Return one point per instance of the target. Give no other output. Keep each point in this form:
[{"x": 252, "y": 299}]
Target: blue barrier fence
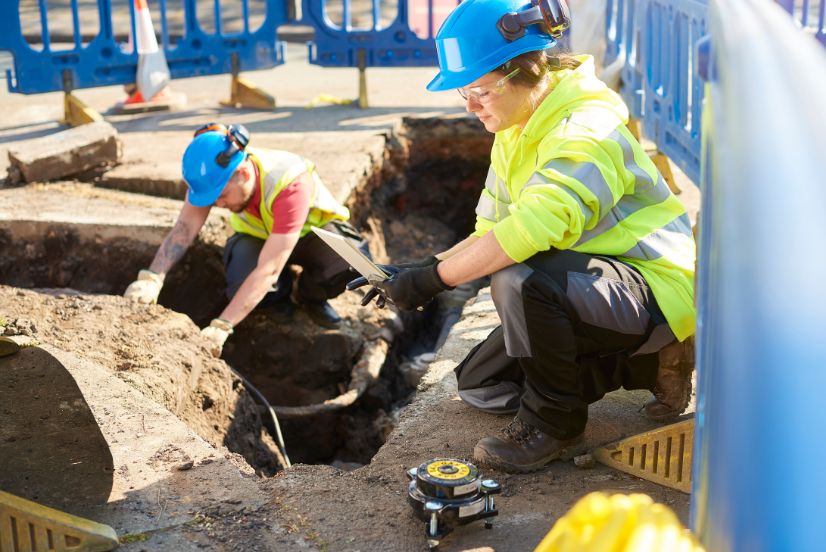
[
  {"x": 757, "y": 483},
  {"x": 656, "y": 39},
  {"x": 622, "y": 35},
  {"x": 383, "y": 35},
  {"x": 205, "y": 45},
  {"x": 671, "y": 90},
  {"x": 811, "y": 15}
]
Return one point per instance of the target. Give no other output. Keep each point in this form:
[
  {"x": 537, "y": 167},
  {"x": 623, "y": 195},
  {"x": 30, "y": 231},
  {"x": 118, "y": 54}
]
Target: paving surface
[{"x": 311, "y": 507}]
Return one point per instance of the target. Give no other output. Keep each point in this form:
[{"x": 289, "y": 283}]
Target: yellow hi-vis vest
[
  {"x": 575, "y": 178},
  {"x": 277, "y": 170}
]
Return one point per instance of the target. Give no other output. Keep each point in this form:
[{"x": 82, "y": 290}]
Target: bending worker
[
  {"x": 275, "y": 198},
  {"x": 591, "y": 256}
]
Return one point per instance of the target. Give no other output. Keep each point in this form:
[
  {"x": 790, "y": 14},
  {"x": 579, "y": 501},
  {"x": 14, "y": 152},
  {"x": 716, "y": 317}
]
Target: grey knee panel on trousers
[
  {"x": 506, "y": 290},
  {"x": 488, "y": 379},
  {"x": 606, "y": 303}
]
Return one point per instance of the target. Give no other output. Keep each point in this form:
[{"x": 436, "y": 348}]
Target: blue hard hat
[
  {"x": 470, "y": 45},
  {"x": 202, "y": 169}
]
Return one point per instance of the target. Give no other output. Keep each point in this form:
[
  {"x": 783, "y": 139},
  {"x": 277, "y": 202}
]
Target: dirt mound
[{"x": 156, "y": 350}]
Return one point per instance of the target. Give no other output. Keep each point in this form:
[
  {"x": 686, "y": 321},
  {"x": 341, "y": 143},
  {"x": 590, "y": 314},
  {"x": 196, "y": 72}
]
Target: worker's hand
[
  {"x": 391, "y": 269},
  {"x": 407, "y": 288},
  {"x": 217, "y": 333},
  {"x": 146, "y": 288}
]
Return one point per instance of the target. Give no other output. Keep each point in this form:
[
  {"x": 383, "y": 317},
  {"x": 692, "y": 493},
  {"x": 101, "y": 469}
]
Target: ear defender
[
  {"x": 239, "y": 138},
  {"x": 552, "y": 15}
]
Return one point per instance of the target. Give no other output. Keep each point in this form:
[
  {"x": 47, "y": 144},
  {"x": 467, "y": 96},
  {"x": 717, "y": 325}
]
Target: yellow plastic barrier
[
  {"x": 600, "y": 522},
  {"x": 27, "y": 526}
]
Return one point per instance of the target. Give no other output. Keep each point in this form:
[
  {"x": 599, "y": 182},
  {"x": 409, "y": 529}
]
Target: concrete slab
[
  {"x": 65, "y": 153},
  {"x": 78, "y": 203},
  {"x": 343, "y": 141}
]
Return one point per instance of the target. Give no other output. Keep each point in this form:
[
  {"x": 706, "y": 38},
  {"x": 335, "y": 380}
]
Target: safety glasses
[
  {"x": 482, "y": 94},
  {"x": 238, "y": 136}
]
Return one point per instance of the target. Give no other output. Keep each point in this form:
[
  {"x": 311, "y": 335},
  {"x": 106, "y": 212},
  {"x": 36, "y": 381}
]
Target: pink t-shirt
[{"x": 290, "y": 208}]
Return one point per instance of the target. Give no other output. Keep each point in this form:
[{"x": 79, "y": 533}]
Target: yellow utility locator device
[{"x": 445, "y": 492}]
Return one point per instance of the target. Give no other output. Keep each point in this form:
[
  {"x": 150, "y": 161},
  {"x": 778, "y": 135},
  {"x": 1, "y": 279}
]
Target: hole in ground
[{"x": 420, "y": 202}]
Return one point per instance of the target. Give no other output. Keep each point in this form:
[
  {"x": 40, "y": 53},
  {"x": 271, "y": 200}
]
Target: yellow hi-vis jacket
[
  {"x": 277, "y": 170},
  {"x": 575, "y": 178}
]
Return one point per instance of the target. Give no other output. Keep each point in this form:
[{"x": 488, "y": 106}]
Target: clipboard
[{"x": 352, "y": 254}]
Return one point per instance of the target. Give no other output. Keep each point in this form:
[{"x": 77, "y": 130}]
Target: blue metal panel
[
  {"x": 622, "y": 41},
  {"x": 103, "y": 61},
  {"x": 393, "y": 45},
  {"x": 758, "y": 480},
  {"x": 672, "y": 92}
]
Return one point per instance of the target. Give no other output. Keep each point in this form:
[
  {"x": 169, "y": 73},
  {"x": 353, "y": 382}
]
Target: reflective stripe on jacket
[
  {"x": 277, "y": 170},
  {"x": 575, "y": 178}
]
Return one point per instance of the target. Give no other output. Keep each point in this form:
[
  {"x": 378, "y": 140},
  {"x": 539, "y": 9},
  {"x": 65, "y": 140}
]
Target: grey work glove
[
  {"x": 146, "y": 288},
  {"x": 217, "y": 333}
]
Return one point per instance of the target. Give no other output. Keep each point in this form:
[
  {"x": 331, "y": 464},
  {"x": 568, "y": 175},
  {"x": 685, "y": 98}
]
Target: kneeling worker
[{"x": 275, "y": 198}]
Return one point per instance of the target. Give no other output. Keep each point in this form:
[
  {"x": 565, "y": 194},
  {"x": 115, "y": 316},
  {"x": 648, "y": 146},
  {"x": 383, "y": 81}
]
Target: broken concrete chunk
[
  {"x": 584, "y": 461},
  {"x": 65, "y": 153}
]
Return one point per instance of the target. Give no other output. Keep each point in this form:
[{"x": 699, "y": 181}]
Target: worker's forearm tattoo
[{"x": 173, "y": 248}]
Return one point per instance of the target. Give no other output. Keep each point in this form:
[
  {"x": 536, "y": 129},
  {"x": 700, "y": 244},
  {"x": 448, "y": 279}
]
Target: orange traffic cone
[
  {"x": 151, "y": 91},
  {"x": 153, "y": 73}
]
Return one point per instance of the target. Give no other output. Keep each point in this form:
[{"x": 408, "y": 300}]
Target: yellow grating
[
  {"x": 661, "y": 455},
  {"x": 27, "y": 526}
]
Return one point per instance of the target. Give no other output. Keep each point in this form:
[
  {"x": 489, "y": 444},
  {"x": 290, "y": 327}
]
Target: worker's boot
[
  {"x": 521, "y": 447},
  {"x": 672, "y": 391},
  {"x": 323, "y": 314}
]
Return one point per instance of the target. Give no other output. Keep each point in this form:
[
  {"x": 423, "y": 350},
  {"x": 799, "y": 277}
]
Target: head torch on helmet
[
  {"x": 238, "y": 136},
  {"x": 553, "y": 15}
]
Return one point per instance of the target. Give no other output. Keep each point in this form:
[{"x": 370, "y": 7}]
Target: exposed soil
[
  {"x": 152, "y": 348},
  {"x": 432, "y": 174}
]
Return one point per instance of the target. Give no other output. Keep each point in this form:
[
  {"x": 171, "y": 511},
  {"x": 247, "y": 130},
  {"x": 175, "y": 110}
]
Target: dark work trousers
[
  {"x": 323, "y": 276},
  {"x": 574, "y": 327}
]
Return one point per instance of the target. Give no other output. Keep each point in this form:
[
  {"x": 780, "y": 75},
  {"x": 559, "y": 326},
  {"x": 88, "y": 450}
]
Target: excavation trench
[{"x": 337, "y": 392}]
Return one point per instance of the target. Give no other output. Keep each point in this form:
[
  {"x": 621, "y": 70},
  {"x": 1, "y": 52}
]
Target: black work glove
[
  {"x": 389, "y": 270},
  {"x": 427, "y": 261},
  {"x": 407, "y": 287}
]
